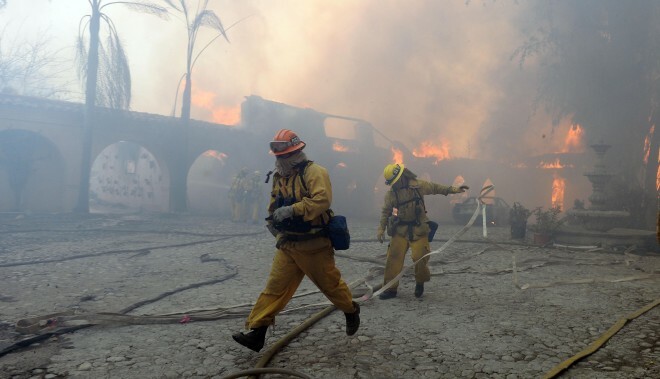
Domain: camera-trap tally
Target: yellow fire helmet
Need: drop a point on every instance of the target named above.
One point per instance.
(393, 172)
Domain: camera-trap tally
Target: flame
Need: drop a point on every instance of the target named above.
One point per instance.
(226, 116)
(657, 175)
(558, 186)
(428, 150)
(219, 114)
(573, 143)
(336, 146)
(216, 155)
(647, 144)
(341, 164)
(397, 155)
(555, 164)
(202, 99)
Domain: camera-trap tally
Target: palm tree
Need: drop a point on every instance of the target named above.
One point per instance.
(194, 21)
(104, 68)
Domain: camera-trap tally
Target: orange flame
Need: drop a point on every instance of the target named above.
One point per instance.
(647, 144)
(202, 99)
(558, 187)
(226, 116)
(573, 143)
(555, 164)
(336, 146)
(221, 115)
(216, 155)
(397, 155)
(428, 150)
(657, 175)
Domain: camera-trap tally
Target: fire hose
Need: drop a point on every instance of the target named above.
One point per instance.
(373, 291)
(67, 322)
(600, 341)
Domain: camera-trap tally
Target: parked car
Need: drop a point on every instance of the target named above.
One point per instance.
(497, 213)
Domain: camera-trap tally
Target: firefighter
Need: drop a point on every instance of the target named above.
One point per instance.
(254, 196)
(237, 195)
(298, 210)
(409, 226)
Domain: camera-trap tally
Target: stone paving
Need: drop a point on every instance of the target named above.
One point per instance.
(474, 320)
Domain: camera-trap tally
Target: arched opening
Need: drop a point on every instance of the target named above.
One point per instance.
(31, 173)
(209, 180)
(125, 177)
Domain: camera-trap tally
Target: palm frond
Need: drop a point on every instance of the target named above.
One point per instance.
(149, 8)
(171, 4)
(208, 18)
(81, 58)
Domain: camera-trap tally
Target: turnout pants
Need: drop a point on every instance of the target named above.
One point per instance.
(314, 258)
(396, 253)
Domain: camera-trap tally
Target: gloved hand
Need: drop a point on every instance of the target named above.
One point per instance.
(462, 189)
(381, 235)
(282, 213)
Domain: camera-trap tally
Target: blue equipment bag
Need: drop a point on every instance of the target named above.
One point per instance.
(338, 233)
(433, 226)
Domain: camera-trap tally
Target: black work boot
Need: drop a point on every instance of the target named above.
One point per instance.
(254, 340)
(389, 294)
(419, 289)
(353, 320)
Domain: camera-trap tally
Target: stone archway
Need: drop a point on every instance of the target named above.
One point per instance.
(32, 173)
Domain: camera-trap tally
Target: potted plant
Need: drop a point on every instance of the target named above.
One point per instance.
(518, 218)
(547, 224)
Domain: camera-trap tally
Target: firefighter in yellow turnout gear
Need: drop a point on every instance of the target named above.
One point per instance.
(237, 195)
(253, 197)
(299, 209)
(409, 227)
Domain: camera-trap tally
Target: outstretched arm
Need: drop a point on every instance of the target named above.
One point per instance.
(429, 188)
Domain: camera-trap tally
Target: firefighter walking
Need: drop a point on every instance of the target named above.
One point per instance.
(299, 209)
(409, 226)
(237, 195)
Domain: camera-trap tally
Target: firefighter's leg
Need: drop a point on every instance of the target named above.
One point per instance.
(285, 277)
(316, 258)
(396, 252)
(418, 249)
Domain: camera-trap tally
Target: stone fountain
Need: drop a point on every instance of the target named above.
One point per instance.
(598, 224)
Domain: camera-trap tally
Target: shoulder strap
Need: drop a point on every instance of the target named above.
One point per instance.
(420, 199)
(302, 167)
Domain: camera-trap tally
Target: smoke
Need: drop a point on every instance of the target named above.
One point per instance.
(423, 71)
(439, 72)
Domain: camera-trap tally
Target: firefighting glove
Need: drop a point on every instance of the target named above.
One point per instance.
(282, 213)
(461, 189)
(381, 235)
